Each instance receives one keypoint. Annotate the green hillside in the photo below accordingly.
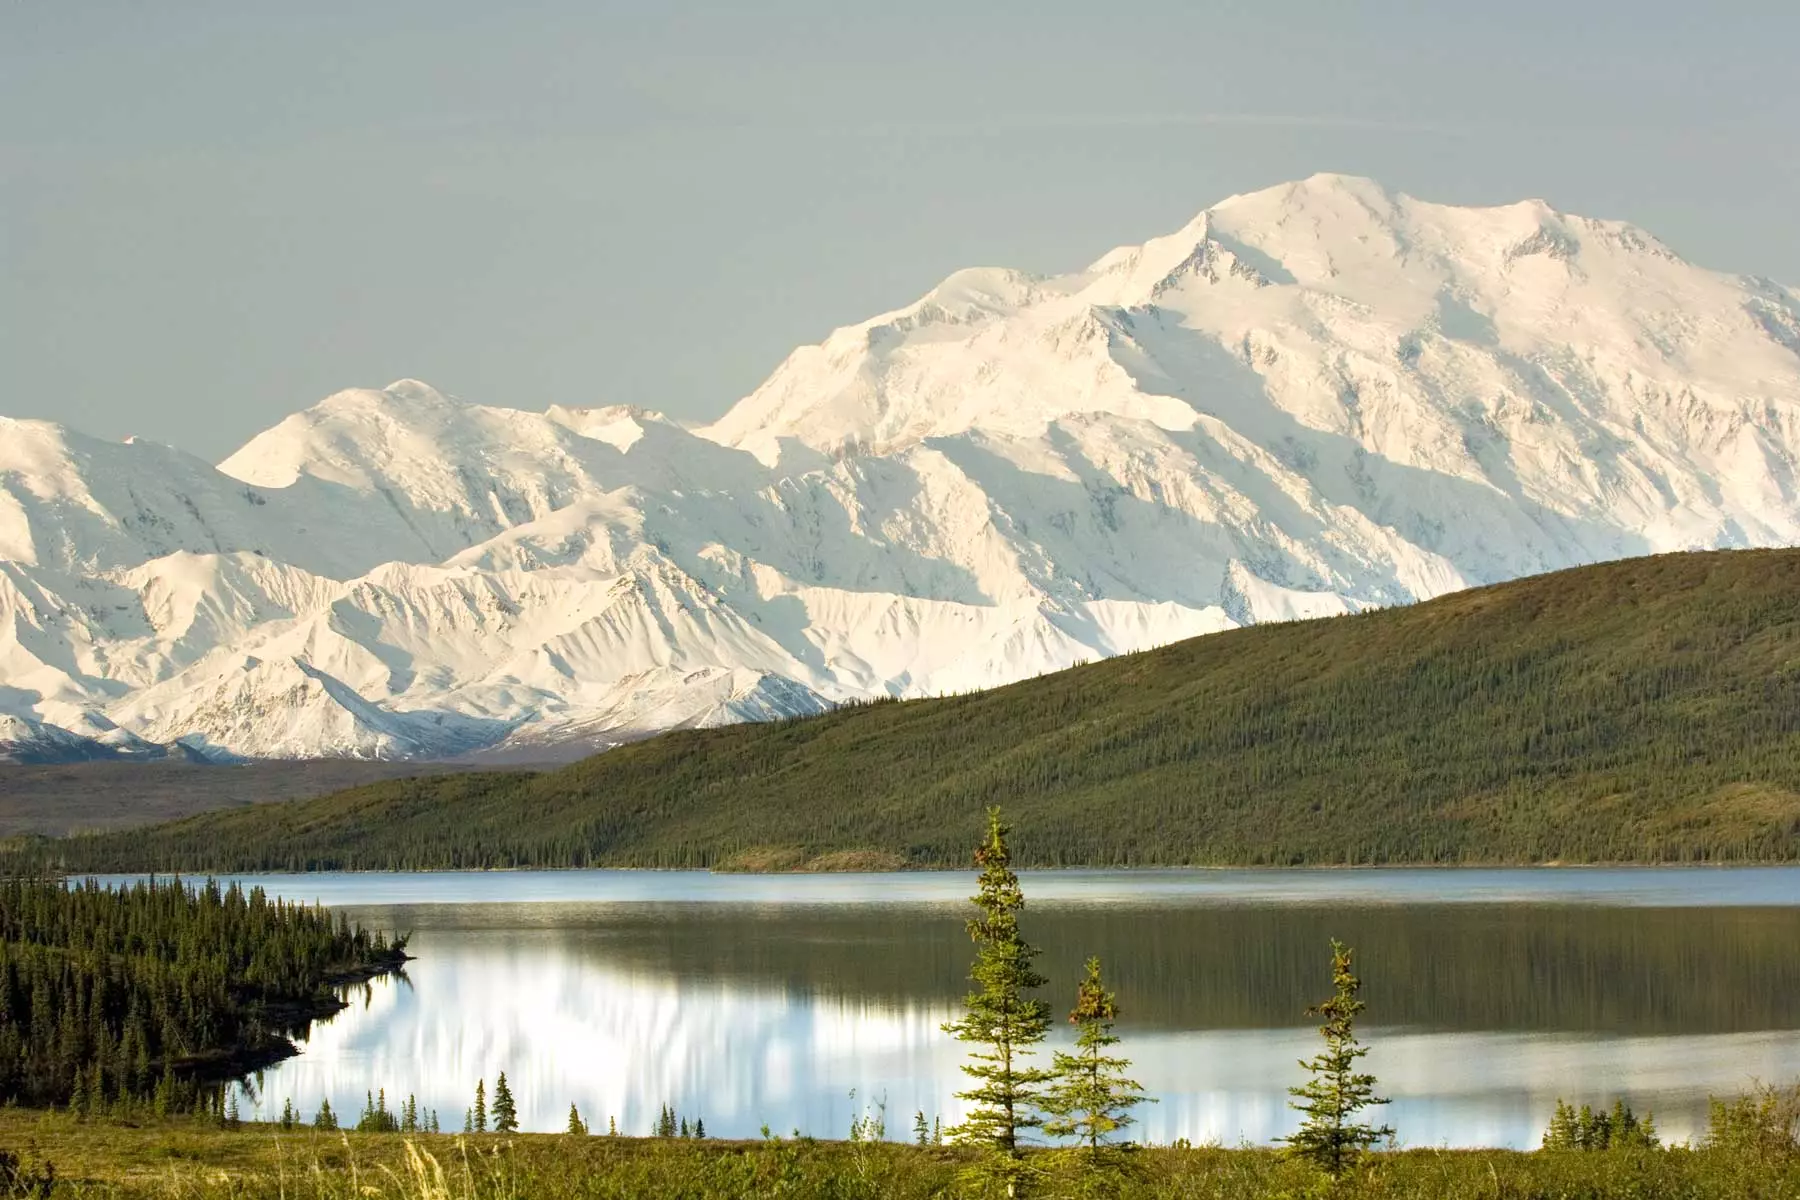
(1646, 710)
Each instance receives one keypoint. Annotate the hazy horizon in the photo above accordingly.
(213, 218)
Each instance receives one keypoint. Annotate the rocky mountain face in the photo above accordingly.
(1306, 401)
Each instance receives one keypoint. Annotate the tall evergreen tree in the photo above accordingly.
(478, 1114)
(577, 1127)
(1092, 1098)
(326, 1119)
(1330, 1135)
(506, 1117)
(1001, 1018)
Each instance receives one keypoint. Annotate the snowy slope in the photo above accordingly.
(1306, 401)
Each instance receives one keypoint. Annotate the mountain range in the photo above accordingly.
(1316, 399)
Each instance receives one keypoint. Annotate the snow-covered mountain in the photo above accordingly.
(1308, 400)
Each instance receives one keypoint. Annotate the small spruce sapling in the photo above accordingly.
(1092, 1098)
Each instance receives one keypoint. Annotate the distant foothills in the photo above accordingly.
(1646, 710)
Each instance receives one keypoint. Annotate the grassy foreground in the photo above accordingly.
(189, 1158)
(1637, 711)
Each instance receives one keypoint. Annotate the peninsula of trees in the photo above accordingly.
(147, 997)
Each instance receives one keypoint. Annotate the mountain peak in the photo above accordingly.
(1316, 398)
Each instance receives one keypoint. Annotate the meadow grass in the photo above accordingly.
(190, 1158)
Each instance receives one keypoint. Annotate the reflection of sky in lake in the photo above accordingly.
(563, 999)
(619, 1044)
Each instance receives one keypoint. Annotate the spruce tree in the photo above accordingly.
(506, 1117)
(1091, 1099)
(1001, 1018)
(699, 1129)
(1330, 1135)
(1561, 1132)
(921, 1131)
(478, 1114)
(577, 1127)
(326, 1119)
(1628, 1130)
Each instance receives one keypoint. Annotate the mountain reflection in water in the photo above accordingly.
(758, 1006)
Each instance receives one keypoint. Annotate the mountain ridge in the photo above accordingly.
(1313, 399)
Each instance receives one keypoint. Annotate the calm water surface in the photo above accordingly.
(770, 999)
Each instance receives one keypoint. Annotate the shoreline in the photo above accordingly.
(288, 1021)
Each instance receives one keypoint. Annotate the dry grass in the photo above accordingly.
(187, 1160)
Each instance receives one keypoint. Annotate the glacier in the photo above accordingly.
(1309, 400)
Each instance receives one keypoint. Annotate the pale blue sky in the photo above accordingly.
(212, 214)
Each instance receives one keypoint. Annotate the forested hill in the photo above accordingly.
(1646, 710)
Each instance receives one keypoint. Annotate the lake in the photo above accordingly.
(801, 1001)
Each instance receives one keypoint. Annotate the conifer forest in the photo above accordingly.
(148, 997)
